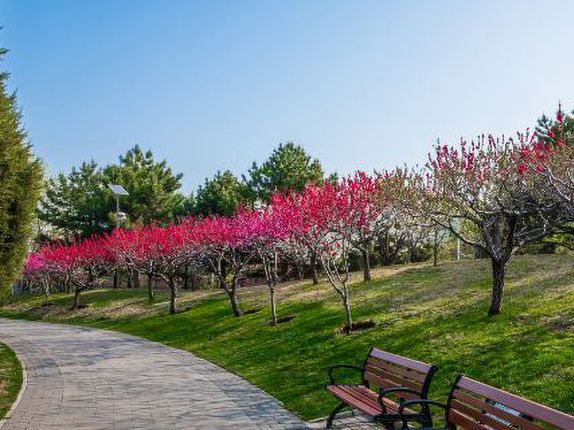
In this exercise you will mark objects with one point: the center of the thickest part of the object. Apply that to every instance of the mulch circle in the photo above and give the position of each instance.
(358, 327)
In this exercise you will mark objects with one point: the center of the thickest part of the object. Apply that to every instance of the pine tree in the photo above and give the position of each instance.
(220, 195)
(80, 204)
(77, 204)
(20, 187)
(153, 187)
(289, 168)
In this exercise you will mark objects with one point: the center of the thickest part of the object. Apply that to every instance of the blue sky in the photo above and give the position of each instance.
(214, 85)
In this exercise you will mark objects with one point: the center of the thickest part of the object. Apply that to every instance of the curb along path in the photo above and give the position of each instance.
(87, 379)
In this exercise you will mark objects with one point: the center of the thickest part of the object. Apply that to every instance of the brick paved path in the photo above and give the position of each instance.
(87, 379)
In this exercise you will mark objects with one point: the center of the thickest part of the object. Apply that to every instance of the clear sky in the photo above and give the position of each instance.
(213, 85)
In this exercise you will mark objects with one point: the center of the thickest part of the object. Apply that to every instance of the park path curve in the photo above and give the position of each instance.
(87, 379)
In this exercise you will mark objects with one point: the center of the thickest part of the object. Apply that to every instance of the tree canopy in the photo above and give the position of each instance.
(220, 195)
(152, 186)
(289, 168)
(81, 204)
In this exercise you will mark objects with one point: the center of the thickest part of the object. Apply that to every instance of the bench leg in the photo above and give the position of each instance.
(338, 409)
(427, 420)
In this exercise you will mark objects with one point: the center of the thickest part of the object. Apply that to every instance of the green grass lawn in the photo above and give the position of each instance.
(437, 315)
(10, 378)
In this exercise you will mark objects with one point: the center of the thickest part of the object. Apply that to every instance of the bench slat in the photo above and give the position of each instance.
(364, 399)
(407, 373)
(507, 416)
(398, 380)
(401, 361)
(383, 382)
(465, 422)
(349, 398)
(527, 407)
(477, 415)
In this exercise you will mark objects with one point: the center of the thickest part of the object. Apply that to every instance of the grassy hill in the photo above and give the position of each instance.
(437, 315)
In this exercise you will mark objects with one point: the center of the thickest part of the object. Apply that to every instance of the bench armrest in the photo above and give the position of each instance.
(341, 366)
(384, 391)
(423, 403)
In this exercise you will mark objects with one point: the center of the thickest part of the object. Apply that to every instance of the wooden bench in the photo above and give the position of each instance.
(397, 379)
(473, 405)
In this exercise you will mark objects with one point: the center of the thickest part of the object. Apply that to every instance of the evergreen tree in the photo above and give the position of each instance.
(220, 195)
(20, 187)
(77, 204)
(289, 168)
(152, 187)
(80, 203)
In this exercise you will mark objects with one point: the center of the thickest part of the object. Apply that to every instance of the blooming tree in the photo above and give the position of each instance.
(356, 217)
(312, 216)
(270, 240)
(483, 184)
(36, 273)
(226, 246)
(132, 249)
(79, 264)
(166, 250)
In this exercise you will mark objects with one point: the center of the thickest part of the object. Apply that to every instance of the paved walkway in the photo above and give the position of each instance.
(87, 379)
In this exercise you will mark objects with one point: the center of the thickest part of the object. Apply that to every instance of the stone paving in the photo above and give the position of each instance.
(88, 379)
(354, 422)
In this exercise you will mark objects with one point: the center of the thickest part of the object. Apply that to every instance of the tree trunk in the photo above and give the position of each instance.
(116, 279)
(300, 269)
(366, 265)
(130, 279)
(384, 251)
(273, 306)
(173, 298)
(136, 276)
(186, 277)
(435, 248)
(498, 272)
(348, 316)
(76, 302)
(314, 272)
(150, 287)
(233, 299)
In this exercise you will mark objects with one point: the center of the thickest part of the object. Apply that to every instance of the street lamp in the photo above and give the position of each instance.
(118, 191)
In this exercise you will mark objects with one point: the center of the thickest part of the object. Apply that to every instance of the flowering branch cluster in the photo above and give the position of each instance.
(495, 194)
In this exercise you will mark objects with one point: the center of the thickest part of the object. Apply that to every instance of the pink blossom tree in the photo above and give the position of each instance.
(226, 246)
(355, 215)
(270, 240)
(79, 264)
(36, 273)
(312, 216)
(166, 251)
(135, 250)
(483, 185)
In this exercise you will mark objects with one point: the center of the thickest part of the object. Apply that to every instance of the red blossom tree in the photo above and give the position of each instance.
(79, 264)
(226, 246)
(132, 249)
(313, 216)
(355, 215)
(270, 240)
(166, 251)
(36, 273)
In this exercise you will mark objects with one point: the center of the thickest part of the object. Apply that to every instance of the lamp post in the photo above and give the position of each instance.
(118, 191)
